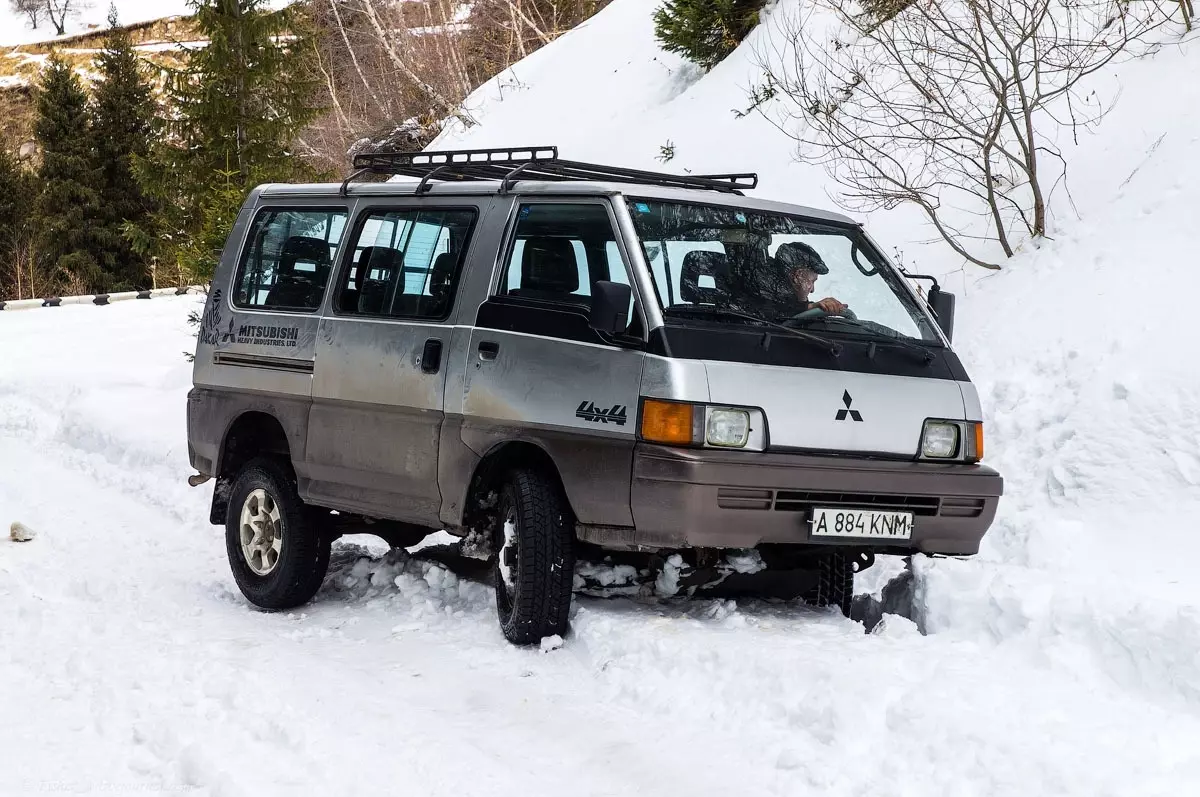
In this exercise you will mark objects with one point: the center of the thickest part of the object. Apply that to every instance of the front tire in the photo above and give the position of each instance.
(835, 582)
(535, 558)
(276, 548)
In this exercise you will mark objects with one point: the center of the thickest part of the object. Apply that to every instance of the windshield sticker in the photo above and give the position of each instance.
(642, 207)
(588, 411)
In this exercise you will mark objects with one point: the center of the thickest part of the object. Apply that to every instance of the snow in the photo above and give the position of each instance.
(92, 17)
(139, 666)
(1064, 659)
(14, 27)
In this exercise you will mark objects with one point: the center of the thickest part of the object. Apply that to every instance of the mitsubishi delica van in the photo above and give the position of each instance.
(548, 357)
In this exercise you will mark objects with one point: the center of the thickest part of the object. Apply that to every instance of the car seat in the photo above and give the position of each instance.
(702, 263)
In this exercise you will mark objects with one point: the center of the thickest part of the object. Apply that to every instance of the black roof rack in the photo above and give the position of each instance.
(511, 164)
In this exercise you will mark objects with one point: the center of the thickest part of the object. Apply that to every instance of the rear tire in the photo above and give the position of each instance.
(277, 549)
(535, 558)
(835, 582)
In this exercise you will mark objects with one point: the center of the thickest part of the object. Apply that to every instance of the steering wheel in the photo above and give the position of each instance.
(818, 312)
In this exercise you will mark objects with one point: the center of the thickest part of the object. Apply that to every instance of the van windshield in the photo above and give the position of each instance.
(721, 264)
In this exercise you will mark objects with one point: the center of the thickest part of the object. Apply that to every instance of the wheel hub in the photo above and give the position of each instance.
(261, 532)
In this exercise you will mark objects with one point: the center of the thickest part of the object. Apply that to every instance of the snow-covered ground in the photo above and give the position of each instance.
(1064, 659)
(14, 27)
(92, 15)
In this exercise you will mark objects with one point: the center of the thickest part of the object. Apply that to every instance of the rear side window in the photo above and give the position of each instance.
(559, 250)
(287, 259)
(405, 263)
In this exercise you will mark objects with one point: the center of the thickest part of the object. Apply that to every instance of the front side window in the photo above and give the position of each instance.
(560, 250)
(719, 263)
(405, 263)
(287, 259)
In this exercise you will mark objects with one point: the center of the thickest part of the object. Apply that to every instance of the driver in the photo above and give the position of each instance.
(802, 265)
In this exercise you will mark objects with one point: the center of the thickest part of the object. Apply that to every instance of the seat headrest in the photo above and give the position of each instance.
(548, 264)
(796, 254)
(382, 258)
(700, 263)
(298, 248)
(442, 273)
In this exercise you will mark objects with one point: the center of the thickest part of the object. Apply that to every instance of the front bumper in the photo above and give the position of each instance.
(722, 499)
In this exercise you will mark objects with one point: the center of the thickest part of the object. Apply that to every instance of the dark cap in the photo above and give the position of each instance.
(795, 254)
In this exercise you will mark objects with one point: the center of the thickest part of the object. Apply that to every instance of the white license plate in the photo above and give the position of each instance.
(861, 523)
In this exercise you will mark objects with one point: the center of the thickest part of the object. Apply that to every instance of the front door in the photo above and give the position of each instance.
(380, 370)
(538, 372)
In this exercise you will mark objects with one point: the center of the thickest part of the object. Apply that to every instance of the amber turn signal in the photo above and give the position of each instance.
(667, 422)
(978, 441)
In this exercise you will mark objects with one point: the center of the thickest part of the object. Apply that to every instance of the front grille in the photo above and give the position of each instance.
(797, 501)
(805, 500)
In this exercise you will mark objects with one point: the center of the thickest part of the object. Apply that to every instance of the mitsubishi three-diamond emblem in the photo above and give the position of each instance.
(843, 414)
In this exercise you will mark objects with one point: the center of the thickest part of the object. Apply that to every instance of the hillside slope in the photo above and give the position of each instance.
(606, 91)
(14, 27)
(1081, 349)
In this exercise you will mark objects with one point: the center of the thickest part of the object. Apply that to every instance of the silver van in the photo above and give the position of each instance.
(547, 357)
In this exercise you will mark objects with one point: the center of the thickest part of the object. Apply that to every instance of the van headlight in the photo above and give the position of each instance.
(727, 427)
(940, 440)
(683, 423)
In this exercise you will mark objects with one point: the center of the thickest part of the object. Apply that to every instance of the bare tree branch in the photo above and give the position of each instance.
(33, 9)
(950, 105)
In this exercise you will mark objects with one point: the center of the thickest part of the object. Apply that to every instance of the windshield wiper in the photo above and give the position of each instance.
(830, 346)
(869, 328)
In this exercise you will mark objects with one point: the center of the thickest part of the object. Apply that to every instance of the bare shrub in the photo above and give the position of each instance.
(30, 9)
(952, 104)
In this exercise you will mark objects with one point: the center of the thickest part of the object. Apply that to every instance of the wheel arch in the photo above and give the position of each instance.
(502, 458)
(248, 435)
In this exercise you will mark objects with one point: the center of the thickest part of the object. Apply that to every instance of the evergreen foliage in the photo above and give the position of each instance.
(705, 31)
(237, 108)
(68, 212)
(122, 126)
(16, 203)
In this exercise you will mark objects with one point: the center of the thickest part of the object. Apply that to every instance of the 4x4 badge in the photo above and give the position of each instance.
(588, 411)
(847, 399)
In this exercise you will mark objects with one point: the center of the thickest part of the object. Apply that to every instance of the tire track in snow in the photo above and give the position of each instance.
(221, 684)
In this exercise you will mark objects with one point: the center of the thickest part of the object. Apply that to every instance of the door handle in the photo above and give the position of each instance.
(431, 356)
(488, 350)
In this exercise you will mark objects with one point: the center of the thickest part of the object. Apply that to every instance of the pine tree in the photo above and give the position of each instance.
(238, 107)
(122, 125)
(705, 31)
(16, 208)
(68, 213)
(16, 200)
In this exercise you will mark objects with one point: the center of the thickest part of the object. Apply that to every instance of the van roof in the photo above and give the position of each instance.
(406, 187)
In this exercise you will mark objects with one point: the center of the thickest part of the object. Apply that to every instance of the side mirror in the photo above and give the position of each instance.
(610, 307)
(942, 304)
